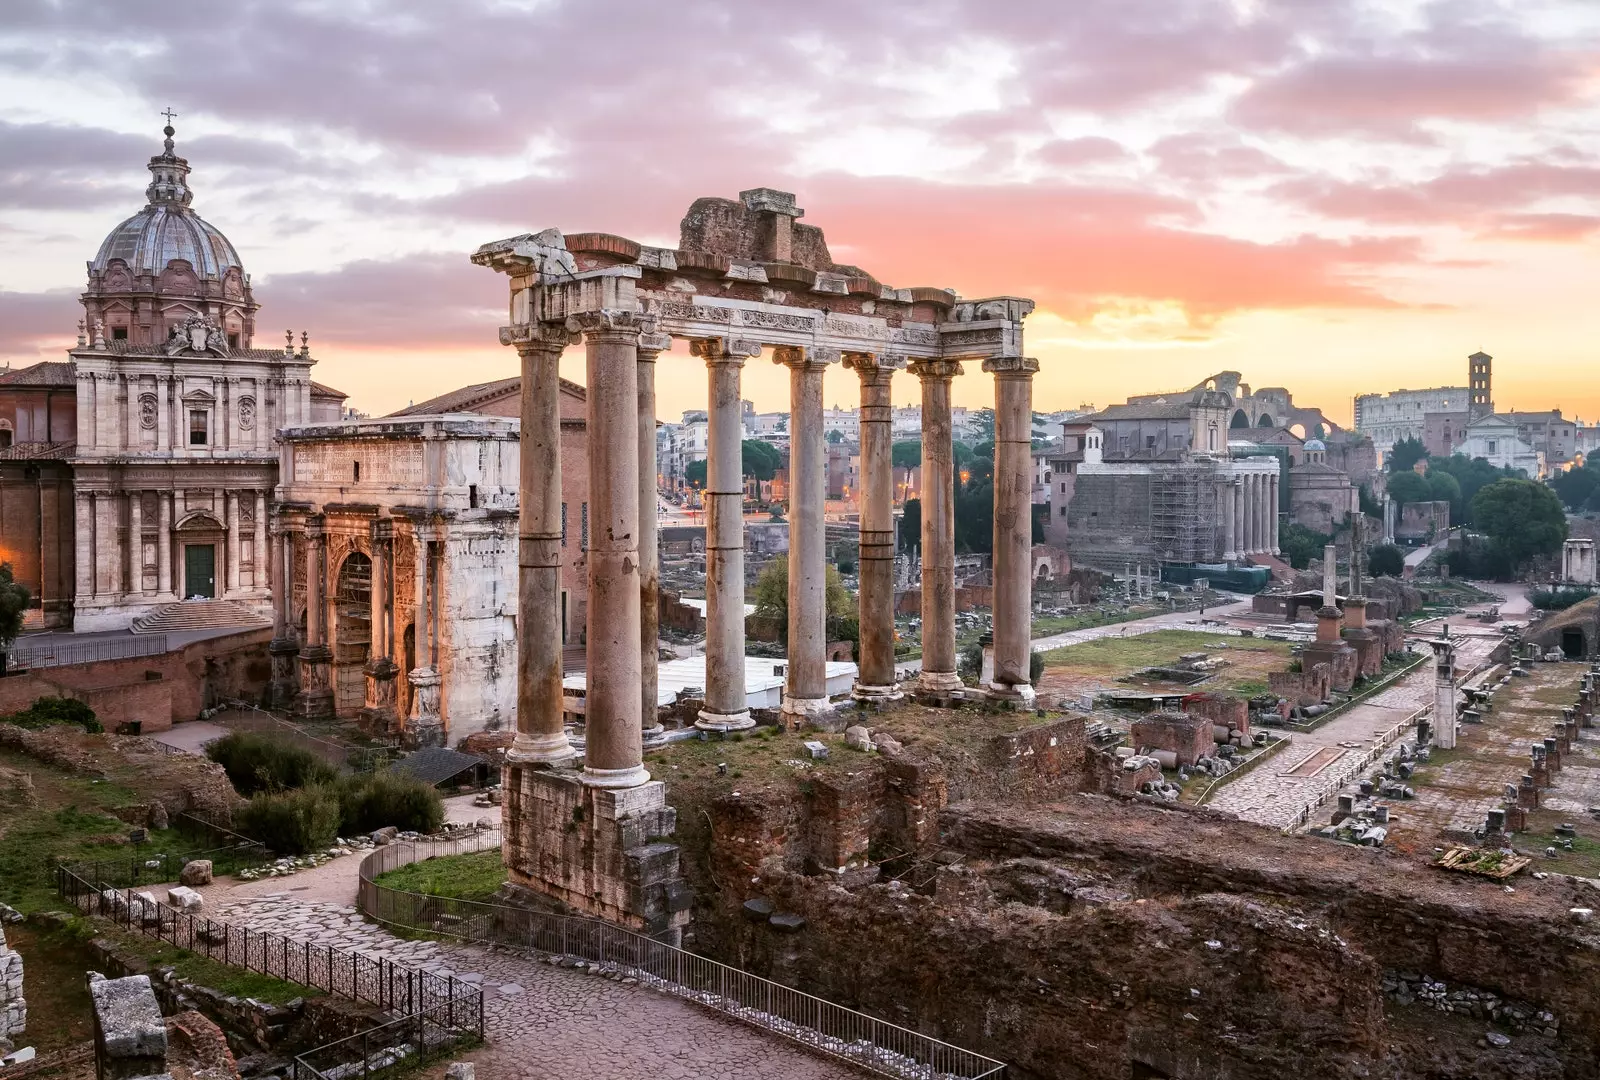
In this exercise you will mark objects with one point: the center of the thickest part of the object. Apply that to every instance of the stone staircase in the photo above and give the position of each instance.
(196, 615)
(1281, 571)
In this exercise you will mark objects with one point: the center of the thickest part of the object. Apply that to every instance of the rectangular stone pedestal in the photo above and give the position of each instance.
(603, 852)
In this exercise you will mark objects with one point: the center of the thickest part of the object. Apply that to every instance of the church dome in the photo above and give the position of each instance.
(1315, 445)
(167, 229)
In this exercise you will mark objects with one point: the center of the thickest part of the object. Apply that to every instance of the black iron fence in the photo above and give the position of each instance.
(48, 652)
(444, 1002)
(377, 1050)
(875, 1045)
(227, 850)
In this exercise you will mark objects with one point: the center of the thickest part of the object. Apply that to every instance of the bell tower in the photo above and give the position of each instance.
(1480, 399)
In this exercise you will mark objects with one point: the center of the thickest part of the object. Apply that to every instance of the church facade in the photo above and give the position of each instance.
(168, 428)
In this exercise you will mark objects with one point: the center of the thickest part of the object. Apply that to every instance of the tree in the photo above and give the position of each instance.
(906, 454)
(1386, 560)
(984, 449)
(980, 425)
(835, 436)
(1408, 487)
(1522, 519)
(1300, 545)
(911, 525)
(960, 453)
(1473, 474)
(694, 474)
(760, 460)
(14, 600)
(1443, 487)
(1577, 486)
(1405, 454)
(770, 595)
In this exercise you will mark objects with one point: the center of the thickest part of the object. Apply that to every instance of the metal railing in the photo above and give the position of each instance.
(48, 653)
(376, 1050)
(820, 1025)
(341, 972)
(157, 866)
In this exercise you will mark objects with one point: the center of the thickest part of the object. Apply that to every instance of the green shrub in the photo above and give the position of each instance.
(48, 711)
(1558, 599)
(291, 822)
(375, 800)
(258, 763)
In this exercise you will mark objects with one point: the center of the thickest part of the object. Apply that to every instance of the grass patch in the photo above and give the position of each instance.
(476, 876)
(198, 968)
(1583, 860)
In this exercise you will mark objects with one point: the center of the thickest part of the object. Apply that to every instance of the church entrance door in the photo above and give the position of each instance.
(200, 570)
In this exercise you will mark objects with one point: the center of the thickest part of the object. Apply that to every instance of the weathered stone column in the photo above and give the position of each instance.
(283, 646)
(425, 727)
(875, 680)
(1238, 516)
(651, 345)
(231, 502)
(938, 529)
(724, 500)
(83, 541)
(1273, 520)
(1444, 692)
(1253, 514)
(135, 542)
(541, 735)
(805, 691)
(378, 712)
(259, 558)
(1225, 512)
(315, 699)
(164, 543)
(613, 734)
(1013, 526)
(1263, 512)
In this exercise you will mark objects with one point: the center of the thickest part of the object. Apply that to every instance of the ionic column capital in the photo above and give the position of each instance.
(729, 351)
(612, 324)
(873, 367)
(935, 368)
(805, 357)
(1017, 366)
(534, 338)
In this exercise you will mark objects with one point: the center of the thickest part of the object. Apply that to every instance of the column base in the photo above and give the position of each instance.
(867, 692)
(540, 749)
(425, 727)
(715, 721)
(632, 777)
(655, 737)
(1021, 695)
(804, 708)
(315, 698)
(283, 687)
(939, 682)
(602, 852)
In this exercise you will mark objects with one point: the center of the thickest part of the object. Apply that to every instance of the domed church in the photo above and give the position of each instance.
(162, 424)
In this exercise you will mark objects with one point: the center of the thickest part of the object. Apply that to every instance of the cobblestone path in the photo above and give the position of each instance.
(540, 1020)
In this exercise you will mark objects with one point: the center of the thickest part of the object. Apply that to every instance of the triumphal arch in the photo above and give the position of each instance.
(745, 279)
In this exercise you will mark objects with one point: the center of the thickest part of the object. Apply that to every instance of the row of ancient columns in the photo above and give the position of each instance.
(1249, 514)
(129, 567)
(621, 348)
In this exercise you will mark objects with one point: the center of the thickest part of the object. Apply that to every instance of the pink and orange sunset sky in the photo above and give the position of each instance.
(1337, 197)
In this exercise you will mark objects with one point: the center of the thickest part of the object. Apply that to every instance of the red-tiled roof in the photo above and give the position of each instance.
(60, 373)
(468, 397)
(319, 390)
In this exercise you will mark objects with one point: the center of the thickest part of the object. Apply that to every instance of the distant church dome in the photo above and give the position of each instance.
(166, 264)
(1315, 444)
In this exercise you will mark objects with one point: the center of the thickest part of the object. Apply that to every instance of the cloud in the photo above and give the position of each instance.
(63, 166)
(1465, 197)
(36, 325)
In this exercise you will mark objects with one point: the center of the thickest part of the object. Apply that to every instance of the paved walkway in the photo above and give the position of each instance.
(1316, 764)
(540, 1020)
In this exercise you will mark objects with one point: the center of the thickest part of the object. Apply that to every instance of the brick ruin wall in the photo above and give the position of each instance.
(1087, 935)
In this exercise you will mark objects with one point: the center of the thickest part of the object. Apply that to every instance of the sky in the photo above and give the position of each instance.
(1334, 196)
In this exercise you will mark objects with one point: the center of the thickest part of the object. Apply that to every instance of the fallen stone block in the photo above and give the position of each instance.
(185, 899)
(195, 872)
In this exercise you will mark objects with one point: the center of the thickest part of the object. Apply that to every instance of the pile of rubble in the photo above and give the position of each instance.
(294, 864)
(1358, 821)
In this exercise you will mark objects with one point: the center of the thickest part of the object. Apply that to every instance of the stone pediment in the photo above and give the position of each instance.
(196, 336)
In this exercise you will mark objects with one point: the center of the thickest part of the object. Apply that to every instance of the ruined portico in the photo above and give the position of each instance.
(746, 277)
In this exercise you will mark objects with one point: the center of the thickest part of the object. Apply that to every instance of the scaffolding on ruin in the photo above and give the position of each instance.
(1183, 512)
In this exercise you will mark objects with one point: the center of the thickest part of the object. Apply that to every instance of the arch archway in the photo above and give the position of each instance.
(1240, 420)
(1265, 421)
(352, 632)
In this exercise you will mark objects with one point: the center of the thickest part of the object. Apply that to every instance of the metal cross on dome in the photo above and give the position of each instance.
(169, 114)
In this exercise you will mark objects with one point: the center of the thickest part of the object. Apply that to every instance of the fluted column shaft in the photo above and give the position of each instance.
(233, 545)
(422, 620)
(938, 528)
(378, 646)
(1225, 511)
(614, 753)
(1273, 520)
(1263, 511)
(540, 729)
(164, 542)
(259, 577)
(724, 501)
(805, 691)
(1252, 513)
(316, 580)
(135, 542)
(876, 598)
(283, 572)
(650, 347)
(1013, 525)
